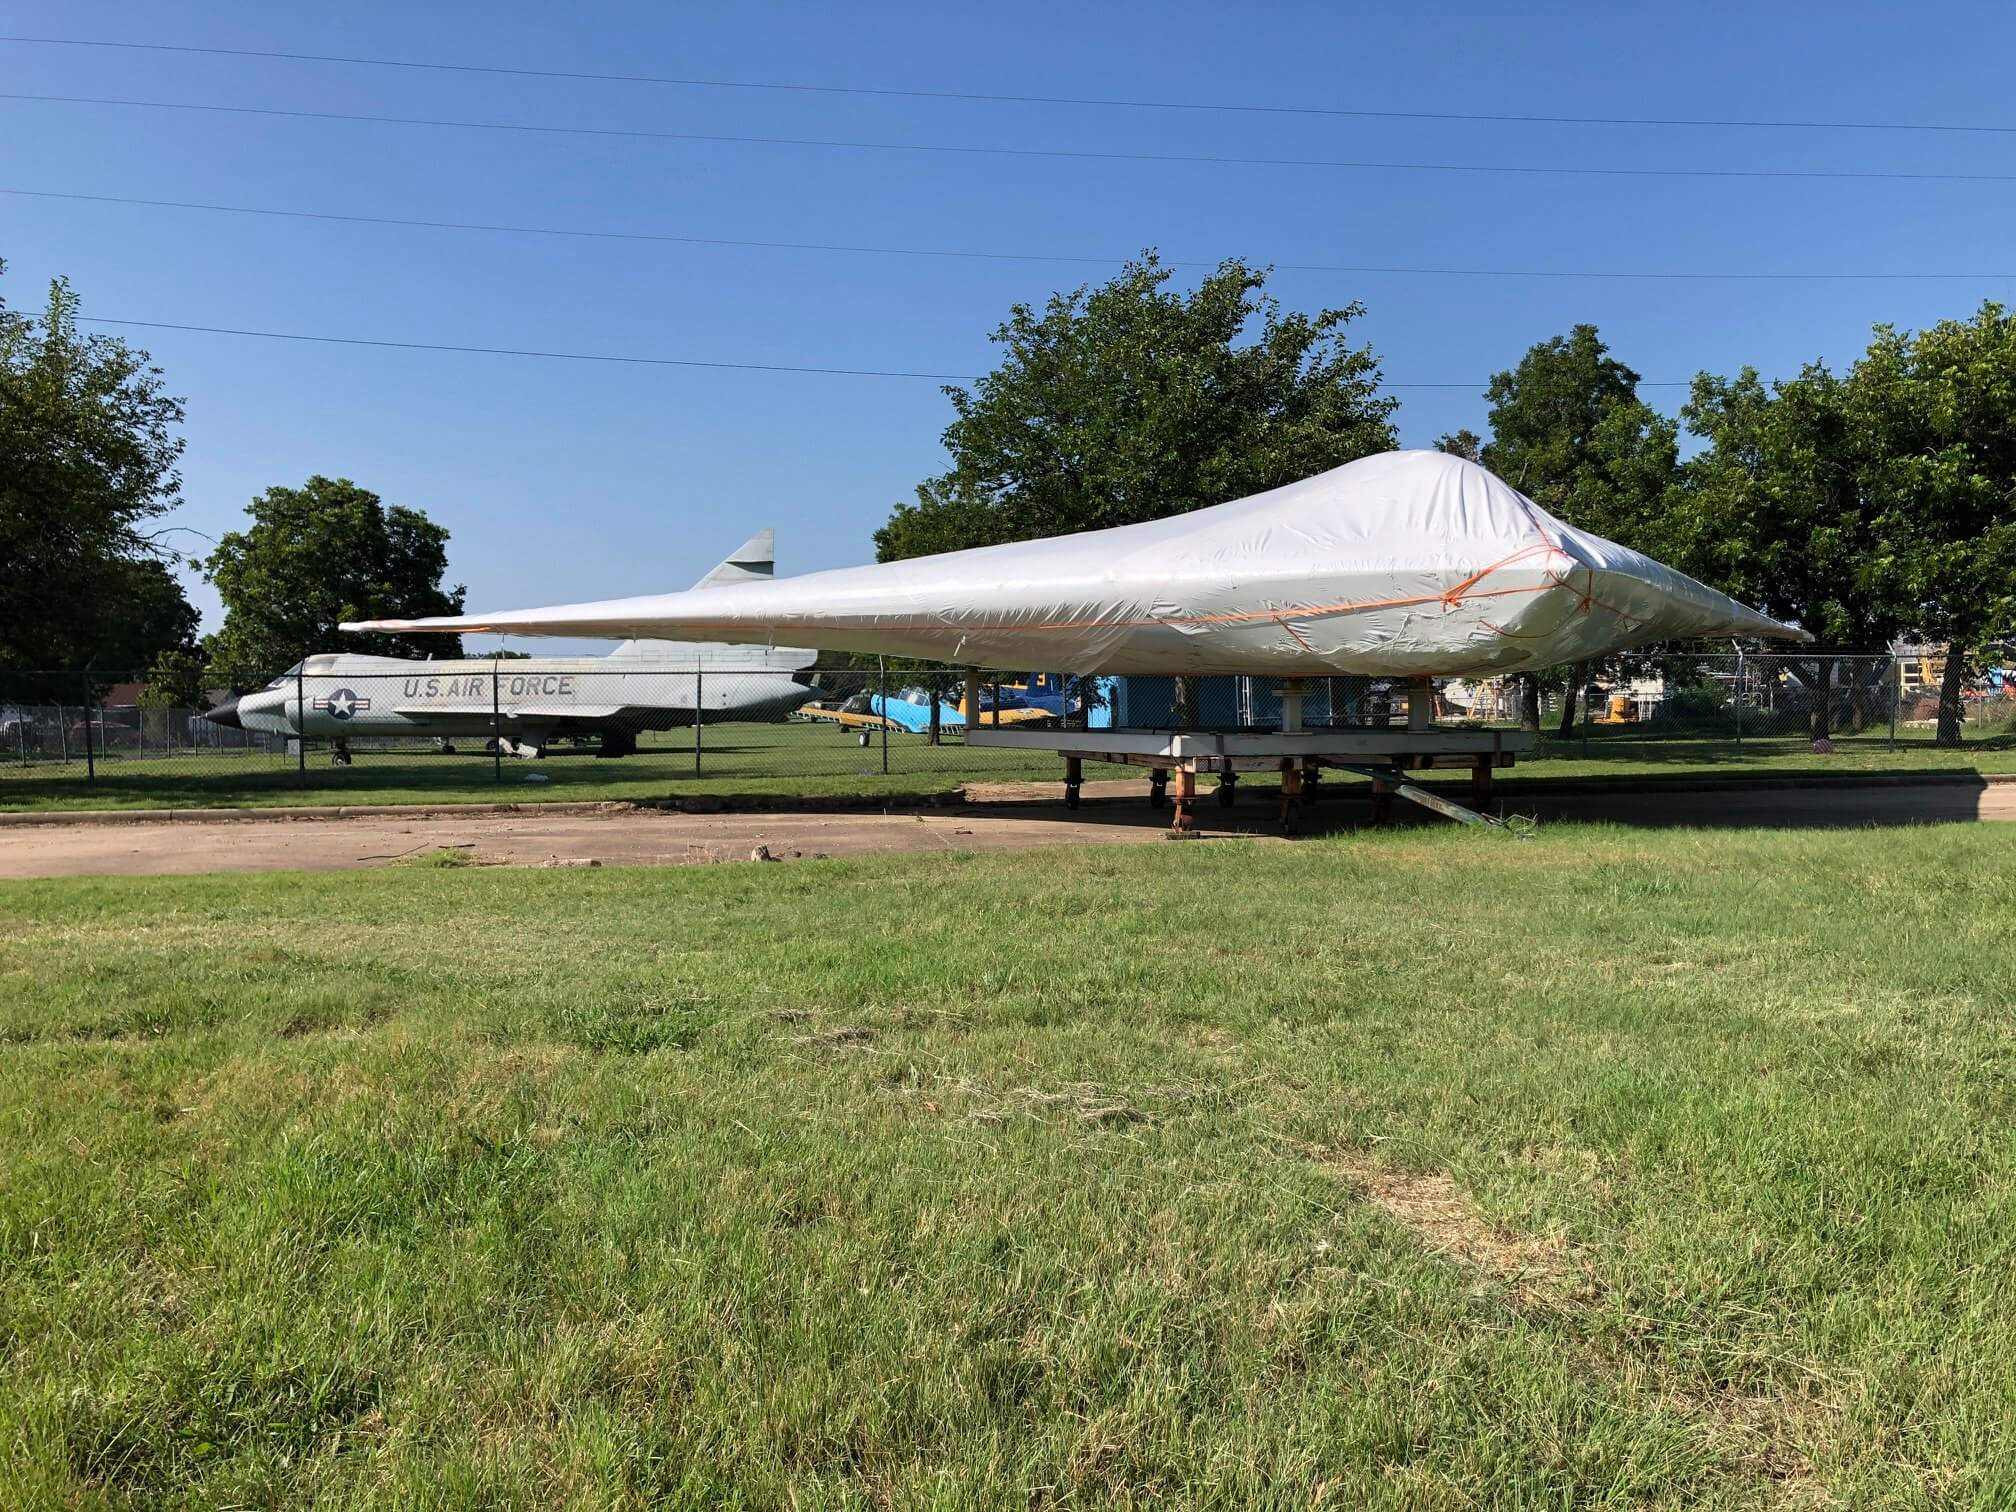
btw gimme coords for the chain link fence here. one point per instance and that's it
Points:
(1775, 699)
(628, 728)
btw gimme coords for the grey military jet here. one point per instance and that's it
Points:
(641, 685)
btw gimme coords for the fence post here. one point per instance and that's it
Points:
(301, 718)
(1740, 684)
(90, 760)
(1896, 693)
(699, 706)
(882, 692)
(496, 726)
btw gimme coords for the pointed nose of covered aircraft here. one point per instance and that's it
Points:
(226, 714)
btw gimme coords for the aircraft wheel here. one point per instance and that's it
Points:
(865, 738)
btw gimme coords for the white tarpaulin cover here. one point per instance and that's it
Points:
(1407, 562)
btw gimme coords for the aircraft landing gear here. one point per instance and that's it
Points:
(1228, 788)
(1074, 779)
(339, 752)
(617, 743)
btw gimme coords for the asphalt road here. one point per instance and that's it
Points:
(625, 837)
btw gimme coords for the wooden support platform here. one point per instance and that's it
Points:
(1299, 756)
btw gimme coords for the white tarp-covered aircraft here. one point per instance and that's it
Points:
(1402, 564)
(644, 684)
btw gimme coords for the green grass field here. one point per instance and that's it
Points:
(814, 761)
(1426, 1170)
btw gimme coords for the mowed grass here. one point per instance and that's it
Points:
(816, 762)
(1404, 1171)
(800, 759)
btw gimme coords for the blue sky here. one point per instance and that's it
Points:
(565, 481)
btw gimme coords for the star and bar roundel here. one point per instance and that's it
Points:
(342, 704)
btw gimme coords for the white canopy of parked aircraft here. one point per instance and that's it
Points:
(1409, 562)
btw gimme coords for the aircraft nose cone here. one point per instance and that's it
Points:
(226, 714)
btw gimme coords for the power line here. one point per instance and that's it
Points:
(1019, 99)
(1077, 154)
(680, 362)
(490, 351)
(1040, 257)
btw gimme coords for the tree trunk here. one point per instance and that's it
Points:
(1949, 698)
(1186, 703)
(1529, 701)
(1578, 678)
(937, 714)
(1820, 697)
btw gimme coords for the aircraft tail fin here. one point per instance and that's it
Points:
(755, 558)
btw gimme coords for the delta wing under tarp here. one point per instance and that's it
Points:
(1403, 563)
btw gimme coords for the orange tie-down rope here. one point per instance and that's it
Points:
(1448, 598)
(1585, 600)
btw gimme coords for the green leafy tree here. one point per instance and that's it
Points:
(1939, 408)
(1774, 512)
(1569, 431)
(1466, 444)
(315, 556)
(88, 456)
(1133, 401)
(179, 679)
(151, 619)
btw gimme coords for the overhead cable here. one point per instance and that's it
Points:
(1105, 102)
(1396, 269)
(1049, 153)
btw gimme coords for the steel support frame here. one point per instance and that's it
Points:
(1298, 756)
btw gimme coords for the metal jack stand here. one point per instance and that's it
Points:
(1388, 784)
(1291, 770)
